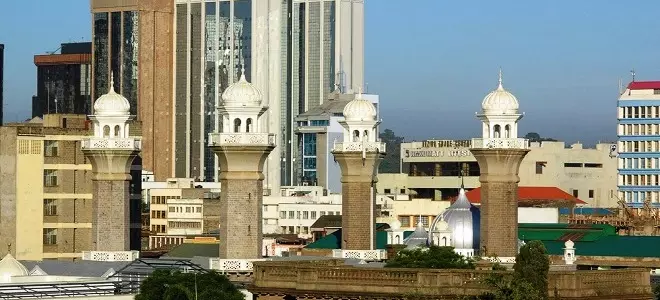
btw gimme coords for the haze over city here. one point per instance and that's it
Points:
(433, 61)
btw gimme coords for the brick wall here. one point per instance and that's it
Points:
(358, 216)
(111, 211)
(240, 215)
(499, 218)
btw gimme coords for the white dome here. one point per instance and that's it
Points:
(112, 104)
(395, 225)
(10, 267)
(569, 244)
(500, 101)
(241, 93)
(360, 109)
(459, 218)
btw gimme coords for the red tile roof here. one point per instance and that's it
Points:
(644, 85)
(531, 193)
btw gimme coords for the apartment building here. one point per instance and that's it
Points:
(180, 209)
(46, 182)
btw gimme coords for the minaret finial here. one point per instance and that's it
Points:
(112, 83)
(243, 73)
(9, 248)
(359, 91)
(500, 79)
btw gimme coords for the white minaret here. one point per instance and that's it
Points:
(242, 146)
(569, 252)
(111, 151)
(499, 115)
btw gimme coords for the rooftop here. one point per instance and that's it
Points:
(644, 85)
(533, 195)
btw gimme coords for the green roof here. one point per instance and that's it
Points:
(190, 250)
(590, 240)
(333, 240)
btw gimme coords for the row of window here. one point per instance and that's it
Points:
(162, 199)
(305, 215)
(294, 229)
(184, 225)
(576, 193)
(639, 163)
(636, 112)
(158, 214)
(641, 196)
(158, 228)
(639, 180)
(639, 146)
(639, 129)
(188, 209)
(389, 191)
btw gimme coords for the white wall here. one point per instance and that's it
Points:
(545, 215)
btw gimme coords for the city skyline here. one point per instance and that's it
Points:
(563, 64)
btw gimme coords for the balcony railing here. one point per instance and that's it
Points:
(366, 255)
(112, 143)
(228, 266)
(359, 146)
(500, 143)
(110, 255)
(241, 138)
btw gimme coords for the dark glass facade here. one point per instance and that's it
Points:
(115, 54)
(62, 88)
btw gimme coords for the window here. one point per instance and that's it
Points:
(305, 215)
(237, 125)
(172, 209)
(283, 215)
(322, 213)
(405, 221)
(50, 148)
(50, 177)
(337, 213)
(313, 215)
(292, 215)
(50, 207)
(188, 209)
(593, 165)
(331, 213)
(265, 208)
(572, 165)
(539, 166)
(387, 191)
(591, 194)
(290, 229)
(575, 193)
(298, 215)
(424, 219)
(198, 209)
(402, 191)
(50, 236)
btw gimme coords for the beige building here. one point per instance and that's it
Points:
(46, 182)
(431, 170)
(181, 210)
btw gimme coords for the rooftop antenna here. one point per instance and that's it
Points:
(620, 86)
(632, 72)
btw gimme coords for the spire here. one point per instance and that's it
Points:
(500, 87)
(112, 83)
(359, 94)
(242, 73)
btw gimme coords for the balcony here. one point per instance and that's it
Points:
(231, 266)
(359, 147)
(241, 138)
(95, 143)
(366, 255)
(500, 143)
(110, 255)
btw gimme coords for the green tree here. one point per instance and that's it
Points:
(656, 291)
(392, 161)
(174, 285)
(434, 257)
(535, 137)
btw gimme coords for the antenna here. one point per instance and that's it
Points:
(620, 86)
(632, 72)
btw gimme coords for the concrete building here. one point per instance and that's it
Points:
(63, 81)
(317, 130)
(638, 113)
(242, 147)
(431, 170)
(111, 151)
(132, 40)
(499, 153)
(359, 155)
(181, 210)
(50, 218)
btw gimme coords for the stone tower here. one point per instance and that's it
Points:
(359, 156)
(111, 151)
(242, 146)
(499, 153)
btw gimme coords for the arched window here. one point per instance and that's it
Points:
(237, 125)
(356, 136)
(248, 125)
(397, 239)
(106, 131)
(496, 131)
(444, 241)
(117, 129)
(365, 136)
(507, 131)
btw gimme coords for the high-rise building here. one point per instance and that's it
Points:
(124, 33)
(324, 50)
(294, 51)
(638, 150)
(63, 81)
(2, 69)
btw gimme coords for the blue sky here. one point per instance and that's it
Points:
(433, 61)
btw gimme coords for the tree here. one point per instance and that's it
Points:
(656, 291)
(174, 285)
(392, 161)
(535, 137)
(434, 257)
